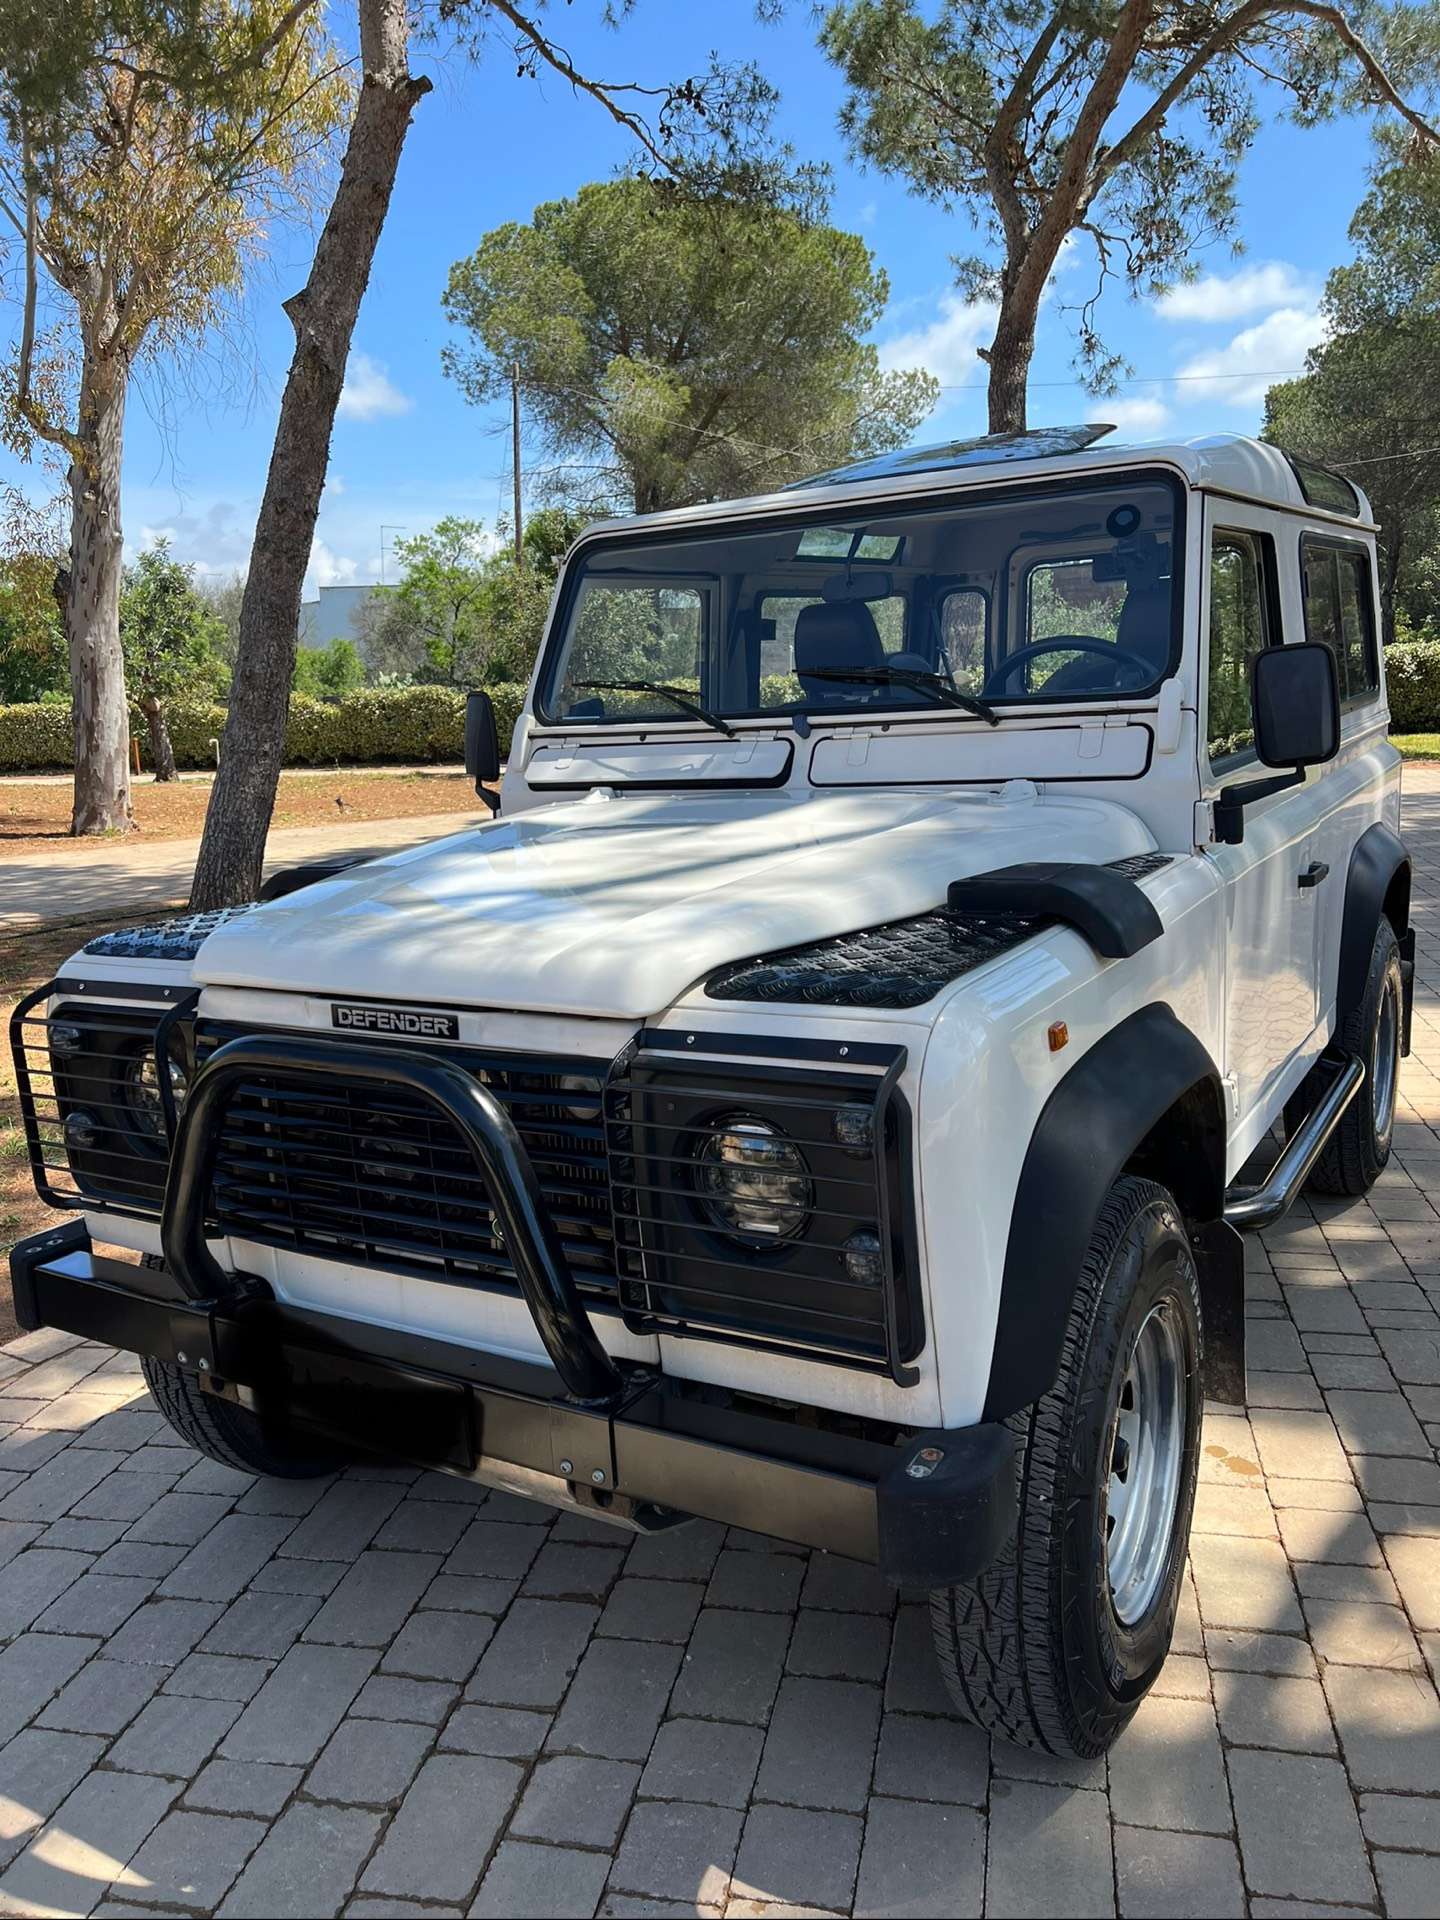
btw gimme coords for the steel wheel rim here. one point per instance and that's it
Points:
(1147, 1447)
(1385, 1067)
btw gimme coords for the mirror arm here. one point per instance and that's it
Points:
(1231, 802)
(492, 800)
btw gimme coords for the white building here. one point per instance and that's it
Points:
(332, 615)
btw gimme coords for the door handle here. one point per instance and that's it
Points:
(1312, 875)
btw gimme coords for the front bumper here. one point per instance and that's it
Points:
(931, 1509)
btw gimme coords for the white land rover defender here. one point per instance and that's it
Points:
(817, 1101)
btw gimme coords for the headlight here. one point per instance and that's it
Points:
(752, 1181)
(141, 1089)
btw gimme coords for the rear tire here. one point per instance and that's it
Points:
(1357, 1151)
(1057, 1643)
(232, 1435)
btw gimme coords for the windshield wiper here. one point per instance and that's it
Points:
(674, 695)
(935, 684)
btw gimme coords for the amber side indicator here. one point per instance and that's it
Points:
(1058, 1036)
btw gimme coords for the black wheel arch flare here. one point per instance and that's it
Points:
(1377, 886)
(1104, 1117)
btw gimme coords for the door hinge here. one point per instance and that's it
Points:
(1204, 823)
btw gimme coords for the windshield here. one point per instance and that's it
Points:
(1022, 598)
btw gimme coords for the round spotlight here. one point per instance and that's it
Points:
(753, 1182)
(82, 1130)
(143, 1105)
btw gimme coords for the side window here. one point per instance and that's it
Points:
(1339, 611)
(1237, 634)
(962, 634)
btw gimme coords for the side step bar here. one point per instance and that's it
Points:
(1250, 1208)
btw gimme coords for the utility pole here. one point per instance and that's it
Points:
(515, 457)
(386, 528)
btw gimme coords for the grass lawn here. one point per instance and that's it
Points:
(35, 817)
(1417, 746)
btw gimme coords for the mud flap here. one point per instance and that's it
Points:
(1220, 1250)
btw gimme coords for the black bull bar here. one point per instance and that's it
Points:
(930, 1508)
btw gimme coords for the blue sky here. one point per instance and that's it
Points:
(485, 147)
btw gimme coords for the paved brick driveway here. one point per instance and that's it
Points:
(389, 1695)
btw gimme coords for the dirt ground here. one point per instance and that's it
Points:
(35, 818)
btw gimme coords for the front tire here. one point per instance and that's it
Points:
(1057, 1643)
(1356, 1153)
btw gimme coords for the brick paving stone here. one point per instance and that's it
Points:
(388, 1696)
(575, 1801)
(921, 1859)
(466, 1593)
(732, 1666)
(1409, 1885)
(101, 1823)
(821, 1745)
(218, 1676)
(57, 1485)
(845, 1586)
(1389, 1727)
(758, 1582)
(1166, 1770)
(96, 1603)
(368, 1763)
(1273, 1346)
(1352, 1370)
(178, 1519)
(261, 1626)
(1415, 1563)
(173, 1736)
(83, 1536)
(688, 1552)
(1233, 1510)
(1361, 1634)
(102, 1698)
(372, 1601)
(33, 1669)
(617, 1699)
(162, 1632)
(790, 1859)
(305, 1865)
(27, 1449)
(651, 1610)
(439, 1646)
(1406, 1820)
(676, 1850)
(300, 1705)
(31, 1581)
(295, 1497)
(343, 1521)
(703, 1760)
(1378, 1423)
(1299, 1834)
(191, 1858)
(1345, 1537)
(1049, 1854)
(221, 1566)
(496, 1550)
(37, 1770)
(299, 1576)
(552, 1883)
(535, 1651)
(437, 1843)
(920, 1758)
(15, 1536)
(1245, 1583)
(509, 1733)
(243, 1786)
(1176, 1876)
(1268, 1710)
(843, 1646)
(565, 1571)
(424, 1526)
(1184, 1676)
(1302, 1445)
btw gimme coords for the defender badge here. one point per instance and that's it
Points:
(355, 1017)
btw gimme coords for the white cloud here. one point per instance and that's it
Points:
(866, 216)
(334, 486)
(1239, 373)
(1256, 289)
(946, 347)
(327, 569)
(1142, 414)
(369, 392)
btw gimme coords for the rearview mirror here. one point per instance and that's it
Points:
(482, 747)
(1296, 698)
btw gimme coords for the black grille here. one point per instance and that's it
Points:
(378, 1177)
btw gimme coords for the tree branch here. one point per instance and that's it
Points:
(602, 91)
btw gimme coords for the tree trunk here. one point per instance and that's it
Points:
(232, 851)
(92, 607)
(1008, 357)
(162, 754)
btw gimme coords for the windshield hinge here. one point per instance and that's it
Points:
(1204, 829)
(857, 750)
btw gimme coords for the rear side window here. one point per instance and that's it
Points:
(963, 614)
(1238, 631)
(1340, 612)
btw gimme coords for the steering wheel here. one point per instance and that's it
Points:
(1120, 657)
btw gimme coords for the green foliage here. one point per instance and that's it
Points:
(170, 636)
(1412, 681)
(34, 660)
(697, 348)
(328, 673)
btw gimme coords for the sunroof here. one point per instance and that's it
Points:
(989, 448)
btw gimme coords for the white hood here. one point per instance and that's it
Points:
(614, 906)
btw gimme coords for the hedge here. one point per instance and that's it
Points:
(373, 725)
(1412, 680)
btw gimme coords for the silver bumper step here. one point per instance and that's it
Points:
(1250, 1208)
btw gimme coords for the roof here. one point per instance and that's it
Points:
(1228, 463)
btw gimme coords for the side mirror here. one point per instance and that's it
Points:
(482, 746)
(1296, 699)
(1295, 702)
